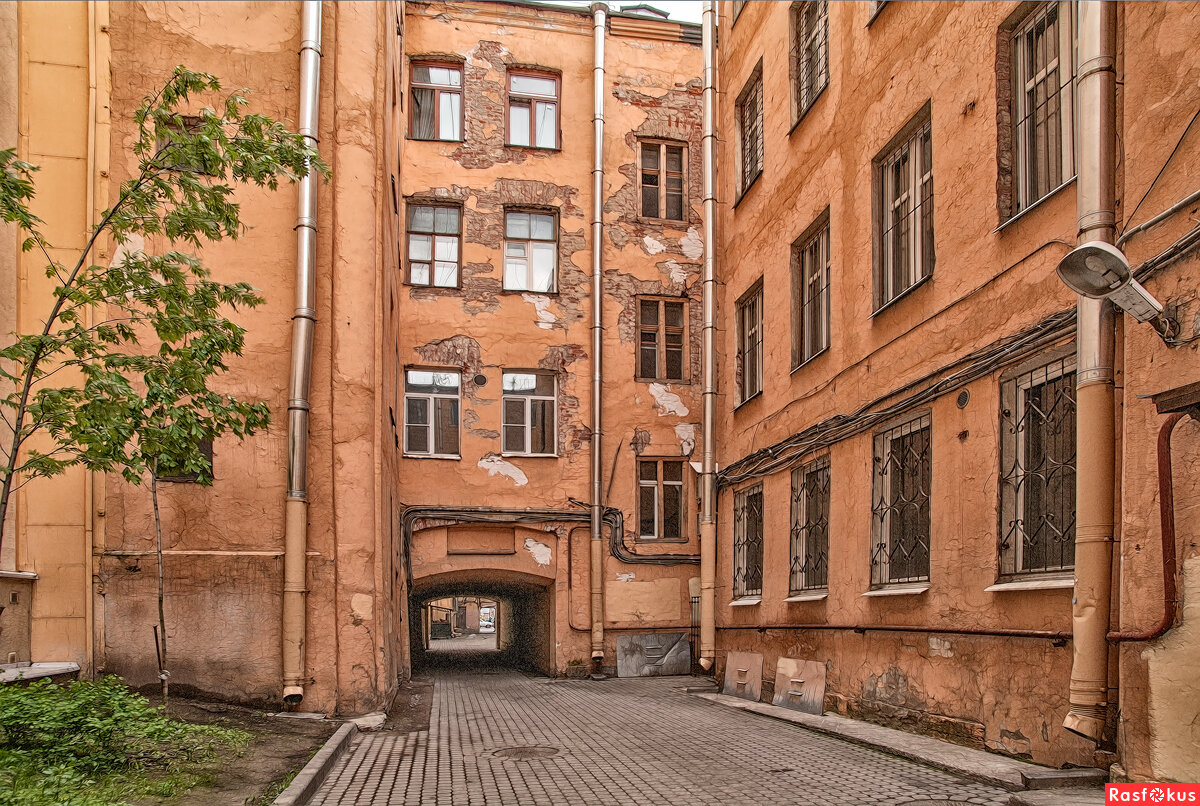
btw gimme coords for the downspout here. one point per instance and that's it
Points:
(708, 477)
(295, 543)
(599, 15)
(1095, 150)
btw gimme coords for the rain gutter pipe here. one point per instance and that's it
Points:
(1095, 146)
(599, 17)
(303, 321)
(708, 477)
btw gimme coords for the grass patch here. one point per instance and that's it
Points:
(98, 744)
(268, 795)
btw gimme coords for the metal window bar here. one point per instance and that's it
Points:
(750, 345)
(1043, 77)
(810, 53)
(748, 542)
(810, 527)
(907, 244)
(694, 634)
(750, 114)
(901, 516)
(812, 331)
(1037, 480)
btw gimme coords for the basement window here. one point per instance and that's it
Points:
(530, 413)
(431, 413)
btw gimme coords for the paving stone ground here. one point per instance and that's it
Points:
(509, 738)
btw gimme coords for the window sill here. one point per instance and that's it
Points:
(451, 457)
(528, 455)
(679, 381)
(900, 590)
(1051, 583)
(746, 601)
(412, 139)
(433, 287)
(808, 109)
(902, 295)
(808, 596)
(676, 223)
(550, 149)
(643, 540)
(750, 399)
(810, 359)
(553, 293)
(1028, 210)
(749, 186)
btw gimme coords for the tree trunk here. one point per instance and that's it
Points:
(163, 674)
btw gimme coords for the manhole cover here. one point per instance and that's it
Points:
(530, 753)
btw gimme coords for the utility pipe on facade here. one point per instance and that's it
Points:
(599, 19)
(303, 322)
(708, 477)
(1095, 150)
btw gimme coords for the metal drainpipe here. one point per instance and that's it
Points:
(303, 321)
(1095, 347)
(708, 506)
(599, 16)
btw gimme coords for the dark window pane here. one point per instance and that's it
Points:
(646, 514)
(650, 156)
(514, 411)
(674, 361)
(674, 159)
(672, 510)
(417, 438)
(446, 426)
(672, 471)
(649, 312)
(648, 471)
(514, 439)
(649, 200)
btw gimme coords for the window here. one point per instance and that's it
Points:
(434, 234)
(810, 293)
(748, 542)
(1042, 75)
(431, 412)
(663, 180)
(749, 336)
(900, 522)
(810, 527)
(905, 247)
(661, 354)
(1037, 461)
(171, 138)
(810, 53)
(533, 110)
(660, 499)
(170, 468)
(750, 128)
(530, 252)
(437, 110)
(530, 414)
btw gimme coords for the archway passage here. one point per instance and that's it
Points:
(482, 619)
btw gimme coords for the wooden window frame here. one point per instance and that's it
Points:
(752, 296)
(659, 484)
(660, 341)
(409, 205)
(663, 175)
(529, 250)
(806, 88)
(914, 207)
(817, 234)
(431, 426)
(750, 96)
(527, 426)
(438, 90)
(529, 100)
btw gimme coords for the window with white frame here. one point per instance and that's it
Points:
(431, 406)
(810, 527)
(810, 53)
(661, 340)
(533, 109)
(904, 173)
(1042, 75)
(530, 413)
(810, 292)
(660, 499)
(748, 542)
(436, 110)
(749, 342)
(900, 526)
(749, 111)
(434, 233)
(1037, 463)
(663, 177)
(530, 251)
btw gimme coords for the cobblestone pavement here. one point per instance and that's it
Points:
(508, 738)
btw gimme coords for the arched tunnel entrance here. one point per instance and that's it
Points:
(482, 619)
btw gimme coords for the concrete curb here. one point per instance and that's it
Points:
(309, 779)
(978, 765)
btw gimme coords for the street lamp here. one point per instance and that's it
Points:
(1100, 271)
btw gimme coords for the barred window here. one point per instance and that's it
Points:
(748, 542)
(663, 178)
(810, 293)
(810, 527)
(434, 235)
(1037, 479)
(900, 523)
(1043, 75)
(661, 340)
(905, 253)
(530, 252)
(810, 53)
(431, 405)
(533, 110)
(750, 127)
(749, 334)
(171, 468)
(529, 413)
(436, 110)
(660, 499)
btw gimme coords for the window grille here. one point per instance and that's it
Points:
(810, 52)
(906, 254)
(530, 252)
(750, 338)
(434, 234)
(437, 111)
(748, 542)
(1037, 480)
(529, 413)
(431, 404)
(901, 522)
(1043, 75)
(662, 178)
(810, 527)
(810, 295)
(660, 499)
(661, 340)
(533, 110)
(750, 127)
